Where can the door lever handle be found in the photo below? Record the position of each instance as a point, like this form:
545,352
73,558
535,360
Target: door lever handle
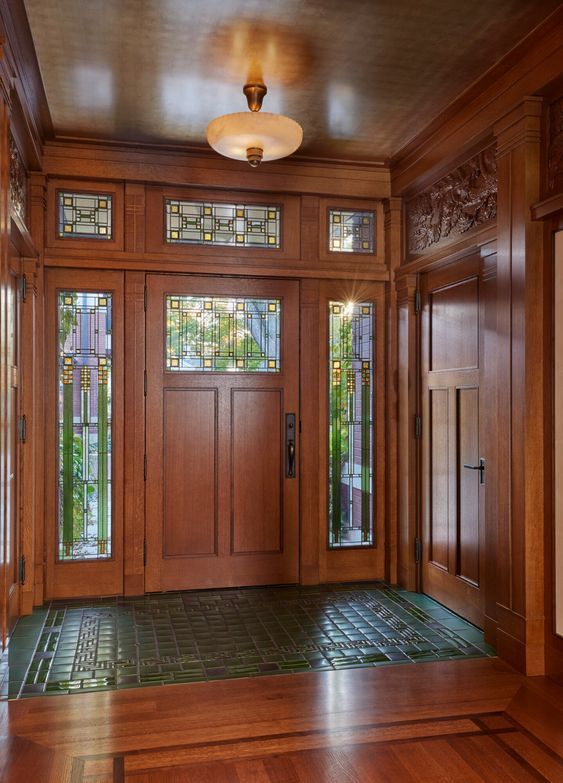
480,467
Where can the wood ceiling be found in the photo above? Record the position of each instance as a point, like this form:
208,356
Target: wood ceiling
362,77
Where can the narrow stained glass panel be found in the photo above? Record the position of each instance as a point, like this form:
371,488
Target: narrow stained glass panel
85,215
351,232
351,383
222,334
208,223
84,372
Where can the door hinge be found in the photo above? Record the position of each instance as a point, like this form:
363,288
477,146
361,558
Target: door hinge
417,304
417,426
22,286
144,551
145,468
21,570
22,428
145,299
417,550
145,383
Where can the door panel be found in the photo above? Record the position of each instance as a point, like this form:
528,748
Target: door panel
453,494
220,379
190,488
256,471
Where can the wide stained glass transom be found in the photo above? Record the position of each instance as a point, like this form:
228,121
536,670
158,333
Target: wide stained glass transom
216,223
351,383
85,215
351,232
222,334
84,372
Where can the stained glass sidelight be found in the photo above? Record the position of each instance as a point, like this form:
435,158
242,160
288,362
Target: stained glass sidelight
85,215
351,382
85,360
351,232
207,223
222,334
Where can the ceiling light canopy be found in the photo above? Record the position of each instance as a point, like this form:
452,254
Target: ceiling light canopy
254,136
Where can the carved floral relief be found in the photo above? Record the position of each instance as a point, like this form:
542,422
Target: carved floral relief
18,182
465,198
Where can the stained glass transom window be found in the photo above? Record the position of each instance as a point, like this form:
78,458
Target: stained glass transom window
84,372
85,215
351,383
222,334
206,223
351,232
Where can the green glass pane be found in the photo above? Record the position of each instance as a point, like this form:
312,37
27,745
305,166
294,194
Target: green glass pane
351,383
85,215
351,232
222,334
84,372
216,223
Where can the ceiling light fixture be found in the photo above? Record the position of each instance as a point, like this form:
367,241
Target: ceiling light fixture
254,136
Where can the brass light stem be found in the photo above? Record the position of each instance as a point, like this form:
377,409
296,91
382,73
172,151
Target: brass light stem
255,93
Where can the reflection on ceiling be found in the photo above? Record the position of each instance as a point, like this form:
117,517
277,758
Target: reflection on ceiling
361,77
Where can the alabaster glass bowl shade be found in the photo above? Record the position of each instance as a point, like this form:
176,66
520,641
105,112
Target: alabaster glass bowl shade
233,134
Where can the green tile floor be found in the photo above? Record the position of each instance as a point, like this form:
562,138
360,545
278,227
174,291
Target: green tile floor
86,646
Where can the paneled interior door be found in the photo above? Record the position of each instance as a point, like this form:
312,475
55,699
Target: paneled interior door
222,488
452,460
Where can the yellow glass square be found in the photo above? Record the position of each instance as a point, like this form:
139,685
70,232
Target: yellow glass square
68,300
336,365
272,215
240,305
175,362
272,307
365,245
271,362
207,237
365,365
68,229
102,204
174,208
207,362
208,305
336,242
102,361
67,360
207,211
103,230
240,362
240,212
336,309
336,218
271,240
102,301
67,202
175,304
240,237
365,310
174,235
365,220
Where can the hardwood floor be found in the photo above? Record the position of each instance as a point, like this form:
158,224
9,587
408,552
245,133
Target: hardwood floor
470,721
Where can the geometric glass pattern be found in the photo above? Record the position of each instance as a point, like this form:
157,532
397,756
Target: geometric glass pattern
351,232
85,215
207,223
222,334
351,381
85,378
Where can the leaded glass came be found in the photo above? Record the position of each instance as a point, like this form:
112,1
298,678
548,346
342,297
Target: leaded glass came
222,334
351,382
85,215
84,374
216,223
351,232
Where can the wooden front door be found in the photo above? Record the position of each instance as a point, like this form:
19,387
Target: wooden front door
453,466
222,490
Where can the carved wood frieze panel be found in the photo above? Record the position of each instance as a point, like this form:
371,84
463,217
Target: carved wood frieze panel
555,146
18,183
463,199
